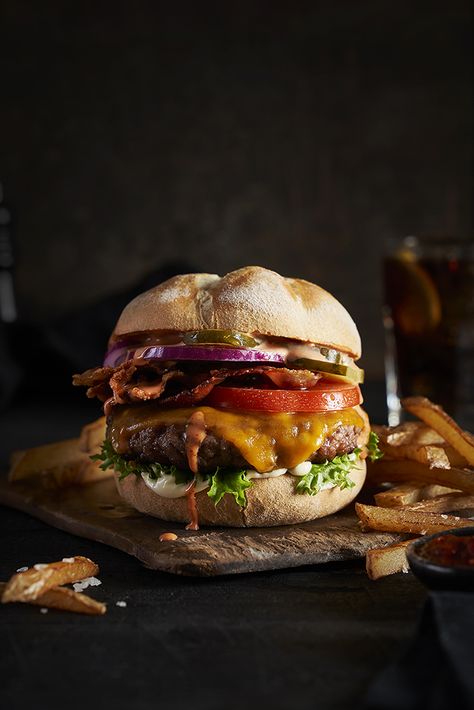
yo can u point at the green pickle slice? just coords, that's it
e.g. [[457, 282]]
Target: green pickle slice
[[336, 370], [220, 337]]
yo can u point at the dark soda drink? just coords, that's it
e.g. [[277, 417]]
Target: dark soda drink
[[429, 322]]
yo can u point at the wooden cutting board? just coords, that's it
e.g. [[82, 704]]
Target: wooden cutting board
[[96, 512]]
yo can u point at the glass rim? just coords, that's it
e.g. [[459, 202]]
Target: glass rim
[[439, 244]]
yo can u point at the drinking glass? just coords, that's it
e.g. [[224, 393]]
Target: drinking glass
[[429, 325]]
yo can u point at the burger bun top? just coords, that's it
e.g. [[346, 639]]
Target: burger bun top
[[251, 300]]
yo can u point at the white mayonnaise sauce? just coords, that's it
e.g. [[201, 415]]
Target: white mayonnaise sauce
[[250, 473], [301, 469], [167, 487]]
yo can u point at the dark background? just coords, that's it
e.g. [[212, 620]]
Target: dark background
[[294, 135]]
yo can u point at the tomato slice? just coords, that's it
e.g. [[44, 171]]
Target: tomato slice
[[325, 396]]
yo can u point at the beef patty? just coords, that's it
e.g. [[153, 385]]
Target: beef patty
[[165, 445]]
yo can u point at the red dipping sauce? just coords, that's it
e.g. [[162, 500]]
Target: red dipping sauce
[[449, 551]]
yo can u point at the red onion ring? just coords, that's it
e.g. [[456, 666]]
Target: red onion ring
[[217, 353], [114, 356]]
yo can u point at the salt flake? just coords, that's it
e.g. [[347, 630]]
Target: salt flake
[[87, 582]]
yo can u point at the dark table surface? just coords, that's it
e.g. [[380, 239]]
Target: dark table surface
[[311, 637]]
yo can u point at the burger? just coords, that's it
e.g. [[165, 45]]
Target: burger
[[234, 401]]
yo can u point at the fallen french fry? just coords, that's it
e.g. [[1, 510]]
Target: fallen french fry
[[46, 458], [408, 493], [444, 503], [66, 600], [373, 517], [386, 471], [56, 465], [92, 436], [382, 561], [433, 415], [29, 585]]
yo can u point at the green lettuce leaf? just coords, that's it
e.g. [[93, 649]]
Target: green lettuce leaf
[[125, 467], [373, 447], [336, 472], [221, 482], [233, 482]]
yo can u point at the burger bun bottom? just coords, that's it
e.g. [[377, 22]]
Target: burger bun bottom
[[271, 501]]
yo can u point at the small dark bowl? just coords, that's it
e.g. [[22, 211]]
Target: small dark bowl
[[440, 576]]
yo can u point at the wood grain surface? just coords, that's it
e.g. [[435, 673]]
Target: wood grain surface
[[96, 512]]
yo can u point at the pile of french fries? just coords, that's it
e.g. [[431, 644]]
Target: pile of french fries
[[42, 585], [429, 466], [63, 463]]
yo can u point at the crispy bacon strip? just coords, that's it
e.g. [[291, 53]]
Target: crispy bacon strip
[[153, 390], [197, 393], [120, 379], [104, 382], [95, 376], [136, 380], [293, 379]]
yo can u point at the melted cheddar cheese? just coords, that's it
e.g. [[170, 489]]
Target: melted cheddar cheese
[[265, 440]]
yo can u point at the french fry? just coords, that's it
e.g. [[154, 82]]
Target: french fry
[[66, 600], [433, 415], [56, 465], [433, 455], [373, 517], [29, 585], [386, 471], [92, 436], [444, 503], [46, 458], [418, 442], [382, 561], [408, 434], [408, 493]]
